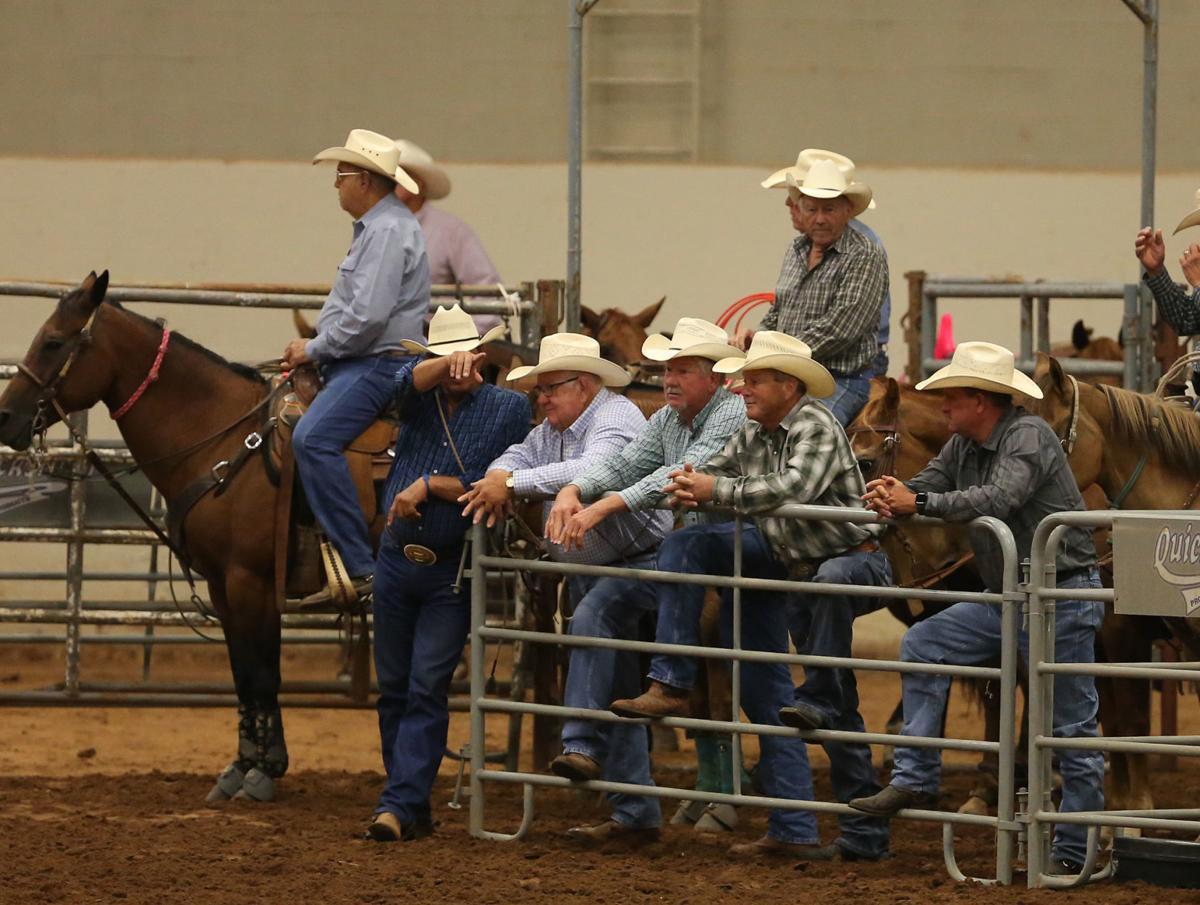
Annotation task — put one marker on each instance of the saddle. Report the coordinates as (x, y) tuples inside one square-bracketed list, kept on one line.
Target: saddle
[(304, 563)]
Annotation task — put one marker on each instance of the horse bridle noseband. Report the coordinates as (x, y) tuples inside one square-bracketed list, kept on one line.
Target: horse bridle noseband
[(48, 397), (891, 445)]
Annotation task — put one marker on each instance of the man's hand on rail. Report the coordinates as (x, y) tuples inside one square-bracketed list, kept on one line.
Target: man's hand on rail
[(566, 504), (890, 497), (689, 487), (489, 498)]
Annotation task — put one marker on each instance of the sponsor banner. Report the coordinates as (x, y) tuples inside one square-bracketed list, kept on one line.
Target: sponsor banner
[(1156, 564), (43, 500)]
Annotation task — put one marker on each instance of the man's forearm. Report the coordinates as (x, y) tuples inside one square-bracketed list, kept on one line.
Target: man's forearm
[(429, 373), (445, 487)]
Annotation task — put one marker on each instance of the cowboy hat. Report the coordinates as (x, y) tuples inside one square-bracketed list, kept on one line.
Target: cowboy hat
[(435, 183), (691, 337), (982, 366), (804, 161), (573, 352), (373, 152), (772, 350), (825, 180), (1191, 219), (452, 330)]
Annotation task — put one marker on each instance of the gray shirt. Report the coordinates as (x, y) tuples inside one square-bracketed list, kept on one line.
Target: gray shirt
[(1019, 475), (381, 293)]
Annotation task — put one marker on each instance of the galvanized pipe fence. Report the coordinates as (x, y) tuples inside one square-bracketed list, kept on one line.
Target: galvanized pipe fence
[(1009, 600)]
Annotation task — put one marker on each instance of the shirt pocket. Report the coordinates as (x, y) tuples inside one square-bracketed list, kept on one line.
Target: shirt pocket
[(350, 262)]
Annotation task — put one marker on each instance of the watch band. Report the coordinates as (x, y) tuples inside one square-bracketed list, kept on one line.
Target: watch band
[(922, 500)]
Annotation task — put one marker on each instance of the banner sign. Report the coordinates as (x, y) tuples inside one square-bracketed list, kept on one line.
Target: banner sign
[(1156, 564), (42, 500)]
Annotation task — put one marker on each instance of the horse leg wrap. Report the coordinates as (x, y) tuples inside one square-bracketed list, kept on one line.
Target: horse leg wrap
[(273, 756), (708, 769), (247, 753)]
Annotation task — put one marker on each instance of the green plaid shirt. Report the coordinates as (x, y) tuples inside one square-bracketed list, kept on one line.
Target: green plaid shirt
[(807, 459)]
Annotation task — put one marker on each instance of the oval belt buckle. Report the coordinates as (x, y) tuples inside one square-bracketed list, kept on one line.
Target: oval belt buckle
[(420, 555)]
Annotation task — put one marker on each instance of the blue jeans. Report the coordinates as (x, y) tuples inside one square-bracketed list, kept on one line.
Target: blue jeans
[(421, 625), (823, 625), (611, 608), (850, 394), (969, 633), (356, 391), (783, 769)]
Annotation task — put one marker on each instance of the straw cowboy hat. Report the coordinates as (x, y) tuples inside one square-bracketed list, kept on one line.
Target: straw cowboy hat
[(573, 352), (1191, 219), (452, 330), (691, 337), (804, 161), (825, 179), (982, 366), (373, 152), (772, 350), (420, 163)]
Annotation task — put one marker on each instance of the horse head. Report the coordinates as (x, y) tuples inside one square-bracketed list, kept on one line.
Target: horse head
[(620, 335), (60, 370), (898, 431), (1073, 409)]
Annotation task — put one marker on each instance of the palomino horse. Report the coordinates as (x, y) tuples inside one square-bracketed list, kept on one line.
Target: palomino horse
[(182, 410)]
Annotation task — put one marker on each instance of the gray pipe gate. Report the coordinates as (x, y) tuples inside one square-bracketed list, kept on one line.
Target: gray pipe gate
[(1034, 597), (537, 304)]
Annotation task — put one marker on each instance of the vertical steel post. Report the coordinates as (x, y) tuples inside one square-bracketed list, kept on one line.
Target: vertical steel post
[(1149, 151), (1043, 323), (1010, 627), (1131, 326), (577, 10), (735, 673), (478, 734), (1026, 328), (78, 503)]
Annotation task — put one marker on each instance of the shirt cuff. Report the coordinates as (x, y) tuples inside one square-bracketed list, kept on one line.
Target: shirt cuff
[(934, 504), (722, 492), (636, 499), (524, 483), (315, 349), (589, 491)]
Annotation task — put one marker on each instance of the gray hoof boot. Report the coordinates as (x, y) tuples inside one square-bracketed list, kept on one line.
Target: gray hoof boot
[(688, 812), (229, 783), (257, 786), (717, 818)]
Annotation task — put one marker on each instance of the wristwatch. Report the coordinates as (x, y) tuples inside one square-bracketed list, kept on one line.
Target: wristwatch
[(922, 499), (510, 482)]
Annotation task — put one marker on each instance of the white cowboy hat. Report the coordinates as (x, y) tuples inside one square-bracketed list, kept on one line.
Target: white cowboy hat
[(452, 330), (825, 179), (804, 161), (573, 352), (373, 152), (691, 337), (1191, 219), (772, 350), (983, 366), (415, 159)]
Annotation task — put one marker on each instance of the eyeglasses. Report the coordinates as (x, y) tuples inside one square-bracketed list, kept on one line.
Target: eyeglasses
[(339, 174), (549, 389)]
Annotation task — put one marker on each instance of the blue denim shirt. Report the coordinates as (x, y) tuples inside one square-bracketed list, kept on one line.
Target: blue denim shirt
[(483, 426), (381, 293)]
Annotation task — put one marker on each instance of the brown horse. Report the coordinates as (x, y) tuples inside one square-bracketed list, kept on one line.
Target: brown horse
[(199, 410), (1084, 345), (620, 335)]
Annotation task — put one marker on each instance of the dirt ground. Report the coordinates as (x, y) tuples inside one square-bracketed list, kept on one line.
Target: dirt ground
[(107, 805)]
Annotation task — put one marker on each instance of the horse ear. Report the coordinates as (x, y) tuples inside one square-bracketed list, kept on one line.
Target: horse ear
[(589, 318), (1058, 377), (891, 394), (646, 316), (93, 289), (1081, 335)]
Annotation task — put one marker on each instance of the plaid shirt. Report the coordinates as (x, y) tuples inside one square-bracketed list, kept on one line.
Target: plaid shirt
[(807, 459), (548, 459), (482, 424), (1178, 304), (835, 306), (640, 470), (1020, 475)]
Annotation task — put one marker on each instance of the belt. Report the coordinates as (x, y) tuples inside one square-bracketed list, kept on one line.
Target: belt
[(1068, 574), (867, 546), (807, 569), (420, 555)]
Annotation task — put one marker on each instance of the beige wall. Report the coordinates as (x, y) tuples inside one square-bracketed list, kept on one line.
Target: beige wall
[(918, 83)]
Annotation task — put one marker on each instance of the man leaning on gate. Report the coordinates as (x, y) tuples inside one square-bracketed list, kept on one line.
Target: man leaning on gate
[(1007, 463)]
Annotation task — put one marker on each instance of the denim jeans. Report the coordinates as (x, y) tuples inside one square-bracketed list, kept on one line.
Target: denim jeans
[(823, 625), (356, 391), (850, 393), (421, 625), (783, 769), (969, 633), (610, 608)]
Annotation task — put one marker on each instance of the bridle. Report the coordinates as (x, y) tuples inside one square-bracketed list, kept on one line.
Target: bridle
[(1072, 435), (886, 463)]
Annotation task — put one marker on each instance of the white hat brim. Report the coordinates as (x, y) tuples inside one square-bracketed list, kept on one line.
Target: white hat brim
[(778, 179), (345, 155), (1190, 220), (818, 382), (459, 345), (953, 375), (435, 180), (859, 195), (658, 348), (610, 374)]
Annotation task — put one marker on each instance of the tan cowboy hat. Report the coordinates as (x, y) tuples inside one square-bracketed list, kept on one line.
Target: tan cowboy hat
[(1191, 219), (804, 161), (418, 161), (373, 152), (452, 330), (573, 352), (772, 350), (825, 180), (691, 337), (983, 366)]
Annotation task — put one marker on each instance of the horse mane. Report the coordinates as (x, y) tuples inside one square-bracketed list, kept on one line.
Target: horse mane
[(1171, 430), (244, 371)]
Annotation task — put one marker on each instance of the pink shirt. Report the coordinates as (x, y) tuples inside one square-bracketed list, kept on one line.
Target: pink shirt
[(456, 255)]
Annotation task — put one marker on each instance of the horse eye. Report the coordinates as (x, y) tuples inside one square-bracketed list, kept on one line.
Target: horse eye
[(52, 345)]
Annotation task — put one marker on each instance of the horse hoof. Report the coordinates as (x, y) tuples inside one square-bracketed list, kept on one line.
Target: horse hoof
[(229, 784), (257, 786), (717, 818), (974, 805)]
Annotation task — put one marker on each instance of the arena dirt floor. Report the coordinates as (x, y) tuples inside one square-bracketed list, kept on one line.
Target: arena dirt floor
[(107, 805)]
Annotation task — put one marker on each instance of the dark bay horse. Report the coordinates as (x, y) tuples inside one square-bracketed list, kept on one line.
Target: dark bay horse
[(178, 427)]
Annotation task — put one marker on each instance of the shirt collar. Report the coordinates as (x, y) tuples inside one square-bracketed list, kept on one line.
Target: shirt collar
[(992, 443), (580, 425), (803, 244), (378, 209), (698, 422), (789, 420)]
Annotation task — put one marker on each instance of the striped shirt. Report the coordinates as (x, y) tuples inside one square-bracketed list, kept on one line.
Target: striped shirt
[(835, 306), (807, 459), (1179, 304), (640, 471), (548, 459)]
